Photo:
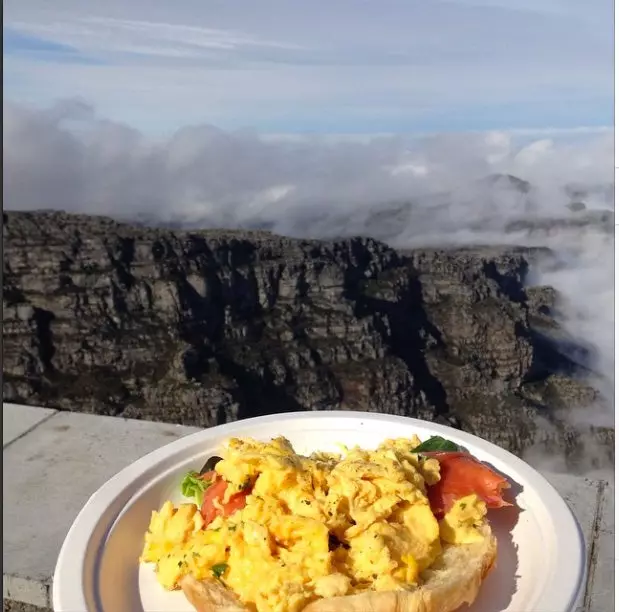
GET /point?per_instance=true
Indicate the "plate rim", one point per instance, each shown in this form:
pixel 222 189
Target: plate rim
pixel 77 552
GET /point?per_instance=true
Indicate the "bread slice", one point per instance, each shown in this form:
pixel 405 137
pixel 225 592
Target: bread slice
pixel 454 579
pixel 210 595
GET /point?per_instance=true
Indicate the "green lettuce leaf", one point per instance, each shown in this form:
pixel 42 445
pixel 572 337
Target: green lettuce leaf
pixel 193 487
pixel 436 443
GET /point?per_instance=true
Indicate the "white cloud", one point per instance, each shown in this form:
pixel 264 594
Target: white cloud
pixel 108 36
pixel 246 170
pixel 412 167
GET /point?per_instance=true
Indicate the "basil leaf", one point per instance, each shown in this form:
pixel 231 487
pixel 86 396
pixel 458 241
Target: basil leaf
pixel 193 487
pixel 219 569
pixel 436 443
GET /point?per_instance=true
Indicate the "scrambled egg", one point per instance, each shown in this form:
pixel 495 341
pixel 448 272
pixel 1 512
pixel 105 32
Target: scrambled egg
pixel 317 526
pixel 461 524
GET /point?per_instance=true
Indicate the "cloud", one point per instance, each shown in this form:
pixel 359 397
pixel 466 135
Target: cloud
pixel 144 38
pixel 280 65
pixel 202 169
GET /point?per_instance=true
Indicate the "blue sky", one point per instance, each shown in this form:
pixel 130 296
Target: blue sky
pixel 328 66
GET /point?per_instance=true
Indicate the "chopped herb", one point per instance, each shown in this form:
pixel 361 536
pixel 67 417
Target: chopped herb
pixel 193 486
pixel 180 564
pixel 436 443
pixel 219 569
pixel 462 505
pixel 231 527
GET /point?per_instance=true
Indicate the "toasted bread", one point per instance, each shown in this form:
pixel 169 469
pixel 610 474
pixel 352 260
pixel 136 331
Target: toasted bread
pixel 454 579
pixel 210 595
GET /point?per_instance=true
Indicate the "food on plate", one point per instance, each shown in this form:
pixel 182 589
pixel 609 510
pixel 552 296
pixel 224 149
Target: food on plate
pixel 461 475
pixel 402 527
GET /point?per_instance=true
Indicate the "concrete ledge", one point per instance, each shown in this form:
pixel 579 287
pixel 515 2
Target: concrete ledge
pixel 52 465
pixel 18 422
pixel 54 461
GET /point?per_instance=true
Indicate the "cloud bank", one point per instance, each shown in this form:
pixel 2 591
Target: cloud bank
pixel 75 160
pixel 495 187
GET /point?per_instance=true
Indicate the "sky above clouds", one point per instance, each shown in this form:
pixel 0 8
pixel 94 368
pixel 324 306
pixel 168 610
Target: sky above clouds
pixel 345 66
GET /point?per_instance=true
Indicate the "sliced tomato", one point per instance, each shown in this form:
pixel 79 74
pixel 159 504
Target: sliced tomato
pixel 236 502
pixel 461 475
pixel 215 493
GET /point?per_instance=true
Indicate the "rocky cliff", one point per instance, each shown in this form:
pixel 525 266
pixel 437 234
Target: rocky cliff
pixel 205 327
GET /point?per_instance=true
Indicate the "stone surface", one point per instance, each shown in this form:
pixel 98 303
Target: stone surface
pixel 57 467
pixel 45 469
pixel 592 502
pixel 10 605
pixel 206 327
pixel 17 420
pixel 600 594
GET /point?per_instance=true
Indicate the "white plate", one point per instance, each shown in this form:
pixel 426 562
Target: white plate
pixel 541 558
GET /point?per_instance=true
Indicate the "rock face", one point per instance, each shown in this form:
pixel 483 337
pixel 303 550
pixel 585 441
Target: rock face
pixel 206 327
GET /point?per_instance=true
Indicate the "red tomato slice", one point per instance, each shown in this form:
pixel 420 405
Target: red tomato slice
pixel 461 475
pixel 236 502
pixel 215 493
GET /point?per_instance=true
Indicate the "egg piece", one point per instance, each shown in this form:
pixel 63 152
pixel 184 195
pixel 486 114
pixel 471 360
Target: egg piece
pixel 461 525
pixel 421 534
pixel 244 459
pixel 333 585
pixel 169 527
pixel 427 468
pixel 369 555
pixel 392 548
